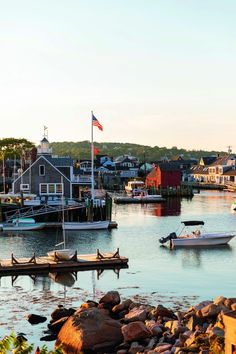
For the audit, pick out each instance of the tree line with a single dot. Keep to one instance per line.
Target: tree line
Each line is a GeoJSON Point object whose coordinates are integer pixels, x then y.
{"type": "Point", "coordinates": [82, 150]}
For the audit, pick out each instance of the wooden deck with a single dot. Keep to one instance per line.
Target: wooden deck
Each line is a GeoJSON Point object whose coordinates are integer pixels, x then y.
{"type": "Point", "coordinates": [34, 265]}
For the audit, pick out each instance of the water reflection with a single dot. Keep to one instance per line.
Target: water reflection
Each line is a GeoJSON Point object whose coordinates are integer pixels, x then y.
{"type": "Point", "coordinates": [64, 278]}
{"type": "Point", "coordinates": [24, 244]}
{"type": "Point", "coordinates": [172, 206]}
{"type": "Point", "coordinates": [192, 257]}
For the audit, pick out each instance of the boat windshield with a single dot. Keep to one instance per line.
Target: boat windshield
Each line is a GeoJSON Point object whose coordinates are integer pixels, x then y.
{"type": "Point", "coordinates": [192, 223]}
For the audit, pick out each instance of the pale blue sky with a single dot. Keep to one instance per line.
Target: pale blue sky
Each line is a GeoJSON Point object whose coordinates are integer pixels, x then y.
{"type": "Point", "coordinates": [155, 72]}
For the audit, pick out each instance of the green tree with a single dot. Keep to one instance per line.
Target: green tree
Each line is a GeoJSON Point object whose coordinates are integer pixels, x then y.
{"type": "Point", "coordinates": [11, 147]}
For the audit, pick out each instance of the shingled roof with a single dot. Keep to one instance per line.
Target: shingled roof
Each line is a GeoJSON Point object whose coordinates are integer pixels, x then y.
{"type": "Point", "coordinates": [169, 166]}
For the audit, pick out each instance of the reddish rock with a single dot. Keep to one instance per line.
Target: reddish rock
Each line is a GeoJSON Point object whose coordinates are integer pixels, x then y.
{"type": "Point", "coordinates": [136, 314]}
{"type": "Point", "coordinates": [162, 312]}
{"type": "Point", "coordinates": [155, 328]}
{"type": "Point", "coordinates": [210, 310]}
{"type": "Point", "coordinates": [135, 331]}
{"type": "Point", "coordinates": [123, 306]}
{"type": "Point", "coordinates": [89, 329]}
{"type": "Point", "coordinates": [111, 298]}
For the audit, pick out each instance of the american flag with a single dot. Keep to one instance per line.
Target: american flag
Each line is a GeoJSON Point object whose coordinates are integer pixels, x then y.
{"type": "Point", "coordinates": [96, 123]}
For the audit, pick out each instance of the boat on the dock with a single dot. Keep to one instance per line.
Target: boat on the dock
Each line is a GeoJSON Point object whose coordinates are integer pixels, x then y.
{"type": "Point", "coordinates": [63, 254]}
{"type": "Point", "coordinates": [87, 225]}
{"type": "Point", "coordinates": [192, 235]}
{"type": "Point", "coordinates": [22, 224]}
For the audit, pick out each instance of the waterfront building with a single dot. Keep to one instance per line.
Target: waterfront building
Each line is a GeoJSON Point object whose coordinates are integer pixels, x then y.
{"type": "Point", "coordinates": [50, 176]}
{"type": "Point", "coordinates": [221, 171]}
{"type": "Point", "coordinates": [164, 175]}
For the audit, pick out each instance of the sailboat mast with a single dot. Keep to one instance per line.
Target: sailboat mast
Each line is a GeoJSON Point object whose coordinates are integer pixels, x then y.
{"type": "Point", "coordinates": [63, 214]}
{"type": "Point", "coordinates": [92, 160]}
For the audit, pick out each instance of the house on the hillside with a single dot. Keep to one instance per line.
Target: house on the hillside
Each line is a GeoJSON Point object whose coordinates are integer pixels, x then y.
{"type": "Point", "coordinates": [164, 175]}
{"type": "Point", "coordinates": [127, 167]}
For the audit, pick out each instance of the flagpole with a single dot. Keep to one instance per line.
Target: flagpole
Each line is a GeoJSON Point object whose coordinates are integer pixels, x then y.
{"type": "Point", "coordinates": [92, 160]}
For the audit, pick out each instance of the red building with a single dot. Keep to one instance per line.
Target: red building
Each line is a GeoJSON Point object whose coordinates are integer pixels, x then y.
{"type": "Point", "coordinates": [165, 174]}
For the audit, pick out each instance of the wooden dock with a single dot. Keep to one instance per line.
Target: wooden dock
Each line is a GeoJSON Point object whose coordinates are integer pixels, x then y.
{"type": "Point", "coordinates": [34, 265]}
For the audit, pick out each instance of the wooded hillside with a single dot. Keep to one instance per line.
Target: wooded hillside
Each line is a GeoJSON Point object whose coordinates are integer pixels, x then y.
{"type": "Point", "coordinates": [81, 150]}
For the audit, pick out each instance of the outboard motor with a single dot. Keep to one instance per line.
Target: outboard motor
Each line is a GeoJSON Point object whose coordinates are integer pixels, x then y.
{"type": "Point", "coordinates": [168, 238]}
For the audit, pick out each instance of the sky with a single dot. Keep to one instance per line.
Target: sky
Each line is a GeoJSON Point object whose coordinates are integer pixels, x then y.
{"type": "Point", "coordinates": [154, 72]}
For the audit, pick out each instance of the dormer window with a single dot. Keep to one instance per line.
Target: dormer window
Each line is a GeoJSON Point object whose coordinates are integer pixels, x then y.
{"type": "Point", "coordinates": [41, 170]}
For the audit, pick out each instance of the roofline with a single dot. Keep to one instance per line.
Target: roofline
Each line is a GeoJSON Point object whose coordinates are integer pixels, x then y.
{"type": "Point", "coordinates": [40, 157]}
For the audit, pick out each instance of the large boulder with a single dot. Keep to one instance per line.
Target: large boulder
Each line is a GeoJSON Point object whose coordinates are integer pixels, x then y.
{"type": "Point", "coordinates": [89, 330]}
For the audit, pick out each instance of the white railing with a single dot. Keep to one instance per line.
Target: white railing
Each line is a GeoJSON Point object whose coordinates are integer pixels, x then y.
{"type": "Point", "coordinates": [81, 179]}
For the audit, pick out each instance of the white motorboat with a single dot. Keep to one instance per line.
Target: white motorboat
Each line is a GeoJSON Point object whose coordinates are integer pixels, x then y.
{"type": "Point", "coordinates": [196, 236]}
{"type": "Point", "coordinates": [135, 187]}
{"type": "Point", "coordinates": [233, 206]}
{"type": "Point", "coordinates": [22, 224]}
{"type": "Point", "coordinates": [87, 225]}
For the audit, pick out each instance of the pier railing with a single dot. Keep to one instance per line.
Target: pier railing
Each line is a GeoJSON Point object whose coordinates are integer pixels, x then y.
{"type": "Point", "coordinates": [42, 210]}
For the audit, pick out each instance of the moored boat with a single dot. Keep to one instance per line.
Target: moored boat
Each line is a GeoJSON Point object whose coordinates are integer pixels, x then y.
{"type": "Point", "coordinates": [87, 225]}
{"type": "Point", "coordinates": [135, 187]}
{"type": "Point", "coordinates": [148, 198]}
{"type": "Point", "coordinates": [233, 206]}
{"type": "Point", "coordinates": [22, 224]}
{"type": "Point", "coordinates": [196, 237]}
{"type": "Point", "coordinates": [65, 254]}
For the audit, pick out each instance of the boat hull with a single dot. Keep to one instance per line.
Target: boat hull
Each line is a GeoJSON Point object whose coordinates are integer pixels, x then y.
{"type": "Point", "coordinates": [204, 240]}
{"type": "Point", "coordinates": [233, 207]}
{"type": "Point", "coordinates": [139, 199]}
{"type": "Point", "coordinates": [63, 254]}
{"type": "Point", "coordinates": [95, 225]}
{"type": "Point", "coordinates": [25, 227]}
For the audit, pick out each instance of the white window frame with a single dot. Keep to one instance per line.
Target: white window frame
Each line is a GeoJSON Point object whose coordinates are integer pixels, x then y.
{"type": "Point", "coordinates": [41, 174]}
{"type": "Point", "coordinates": [24, 187]}
{"type": "Point", "coordinates": [56, 188]}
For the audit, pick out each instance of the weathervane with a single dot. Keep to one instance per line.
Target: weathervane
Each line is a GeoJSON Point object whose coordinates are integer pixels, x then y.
{"type": "Point", "coordinates": [45, 132]}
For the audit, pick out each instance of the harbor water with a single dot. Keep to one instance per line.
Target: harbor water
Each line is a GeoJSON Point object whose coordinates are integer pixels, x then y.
{"type": "Point", "coordinates": [176, 278]}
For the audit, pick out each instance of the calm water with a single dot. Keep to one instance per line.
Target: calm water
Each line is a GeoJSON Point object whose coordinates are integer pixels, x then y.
{"type": "Point", "coordinates": [155, 273]}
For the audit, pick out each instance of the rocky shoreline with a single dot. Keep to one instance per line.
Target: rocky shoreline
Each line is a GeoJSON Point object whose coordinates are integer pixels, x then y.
{"type": "Point", "coordinates": [128, 327]}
